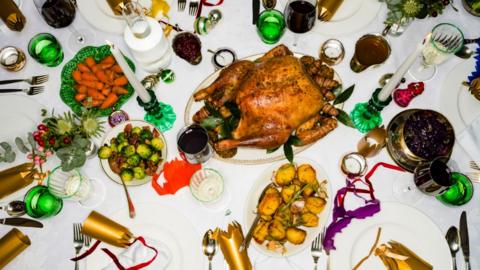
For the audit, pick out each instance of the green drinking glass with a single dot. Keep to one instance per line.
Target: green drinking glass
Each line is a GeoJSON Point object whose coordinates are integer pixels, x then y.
{"type": "Point", "coordinates": [271, 26]}
{"type": "Point", "coordinates": [40, 203]}
{"type": "Point", "coordinates": [46, 50]}
{"type": "Point", "coordinates": [460, 193]}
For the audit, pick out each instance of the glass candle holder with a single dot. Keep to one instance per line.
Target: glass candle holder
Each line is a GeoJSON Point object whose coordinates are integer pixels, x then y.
{"type": "Point", "coordinates": [12, 58]}
{"type": "Point", "coordinates": [332, 52]}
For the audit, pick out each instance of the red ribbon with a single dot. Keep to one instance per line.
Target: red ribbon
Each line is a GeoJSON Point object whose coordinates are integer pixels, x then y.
{"type": "Point", "coordinates": [207, 4]}
{"type": "Point", "coordinates": [114, 257]}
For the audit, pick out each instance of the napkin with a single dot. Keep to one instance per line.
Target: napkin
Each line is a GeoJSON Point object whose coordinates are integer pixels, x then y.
{"type": "Point", "coordinates": [469, 139]}
{"type": "Point", "coordinates": [138, 253]}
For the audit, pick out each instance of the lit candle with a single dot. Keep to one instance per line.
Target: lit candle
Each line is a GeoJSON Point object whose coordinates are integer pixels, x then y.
{"type": "Point", "coordinates": [388, 89]}
{"type": "Point", "coordinates": [136, 84]}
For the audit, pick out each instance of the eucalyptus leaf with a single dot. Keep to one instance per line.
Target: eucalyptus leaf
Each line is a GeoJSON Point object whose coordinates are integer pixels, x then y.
{"type": "Point", "coordinates": [294, 140]}
{"type": "Point", "coordinates": [21, 145]}
{"type": "Point", "coordinates": [80, 142]}
{"type": "Point", "coordinates": [6, 146]}
{"type": "Point", "coordinates": [10, 157]}
{"type": "Point", "coordinates": [31, 140]}
{"type": "Point", "coordinates": [344, 118]}
{"type": "Point", "coordinates": [72, 157]}
{"type": "Point", "coordinates": [288, 151]}
{"type": "Point", "coordinates": [271, 150]}
{"type": "Point", "coordinates": [211, 122]}
{"type": "Point", "coordinates": [344, 96]}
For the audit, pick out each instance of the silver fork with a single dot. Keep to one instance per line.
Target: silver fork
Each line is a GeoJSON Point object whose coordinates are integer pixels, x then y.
{"type": "Point", "coordinates": [181, 5]}
{"type": "Point", "coordinates": [193, 7]}
{"type": "Point", "coordinates": [86, 240]}
{"type": "Point", "coordinates": [32, 81]}
{"type": "Point", "coordinates": [448, 41]}
{"type": "Point", "coordinates": [317, 248]}
{"type": "Point", "coordinates": [474, 165]}
{"type": "Point", "coordinates": [77, 240]}
{"type": "Point", "coordinates": [33, 90]}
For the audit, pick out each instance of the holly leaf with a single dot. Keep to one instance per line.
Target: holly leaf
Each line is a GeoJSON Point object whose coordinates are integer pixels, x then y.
{"type": "Point", "coordinates": [21, 145]}
{"type": "Point", "coordinates": [211, 122]}
{"type": "Point", "coordinates": [344, 96]}
{"type": "Point", "coordinates": [271, 150]}
{"type": "Point", "coordinates": [344, 118]}
{"type": "Point", "coordinates": [288, 151]}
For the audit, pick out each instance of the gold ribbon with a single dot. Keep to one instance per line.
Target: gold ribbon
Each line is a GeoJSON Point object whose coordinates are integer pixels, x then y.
{"type": "Point", "coordinates": [229, 242]}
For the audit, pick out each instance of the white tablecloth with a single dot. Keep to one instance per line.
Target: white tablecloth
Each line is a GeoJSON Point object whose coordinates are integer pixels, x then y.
{"type": "Point", "coordinates": [52, 246]}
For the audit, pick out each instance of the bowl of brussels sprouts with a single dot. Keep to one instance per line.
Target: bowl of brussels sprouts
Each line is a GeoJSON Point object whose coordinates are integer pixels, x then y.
{"type": "Point", "coordinates": [133, 151]}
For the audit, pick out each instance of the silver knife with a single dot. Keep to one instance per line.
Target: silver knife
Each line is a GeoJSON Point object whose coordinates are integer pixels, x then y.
{"type": "Point", "coordinates": [23, 222]}
{"type": "Point", "coordinates": [464, 239]}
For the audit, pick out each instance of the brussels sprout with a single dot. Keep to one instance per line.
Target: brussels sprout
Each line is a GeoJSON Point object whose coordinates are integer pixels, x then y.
{"type": "Point", "coordinates": [126, 175]}
{"type": "Point", "coordinates": [157, 144]}
{"type": "Point", "coordinates": [144, 151]}
{"type": "Point", "coordinates": [104, 152]}
{"type": "Point", "coordinates": [121, 137]}
{"type": "Point", "coordinates": [114, 147]}
{"type": "Point", "coordinates": [121, 146]}
{"type": "Point", "coordinates": [155, 158]}
{"type": "Point", "coordinates": [113, 141]}
{"type": "Point", "coordinates": [136, 130]}
{"type": "Point", "coordinates": [134, 160]}
{"type": "Point", "coordinates": [128, 150]}
{"type": "Point", "coordinates": [138, 173]}
{"type": "Point", "coordinates": [146, 134]}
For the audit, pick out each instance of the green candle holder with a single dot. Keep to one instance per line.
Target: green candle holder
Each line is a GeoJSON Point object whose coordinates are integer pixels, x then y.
{"type": "Point", "coordinates": [367, 115]}
{"type": "Point", "coordinates": [158, 113]}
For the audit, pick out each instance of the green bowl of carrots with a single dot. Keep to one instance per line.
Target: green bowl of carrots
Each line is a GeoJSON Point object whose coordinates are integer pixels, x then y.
{"type": "Point", "coordinates": [93, 80]}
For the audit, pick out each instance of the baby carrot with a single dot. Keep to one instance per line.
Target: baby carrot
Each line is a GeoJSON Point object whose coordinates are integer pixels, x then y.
{"type": "Point", "coordinates": [120, 81]}
{"type": "Point", "coordinates": [96, 103]}
{"type": "Point", "coordinates": [79, 97]}
{"type": "Point", "coordinates": [120, 90]}
{"type": "Point", "coordinates": [102, 76]}
{"type": "Point", "coordinates": [87, 76]}
{"type": "Point", "coordinates": [94, 93]}
{"type": "Point", "coordinates": [111, 99]}
{"type": "Point", "coordinates": [106, 65]}
{"type": "Point", "coordinates": [106, 91]}
{"type": "Point", "coordinates": [117, 69]}
{"type": "Point", "coordinates": [77, 75]}
{"type": "Point", "coordinates": [81, 89]}
{"type": "Point", "coordinates": [82, 67]}
{"type": "Point", "coordinates": [90, 62]}
{"type": "Point", "coordinates": [92, 84]}
{"type": "Point", "coordinates": [108, 60]}
{"type": "Point", "coordinates": [95, 68]}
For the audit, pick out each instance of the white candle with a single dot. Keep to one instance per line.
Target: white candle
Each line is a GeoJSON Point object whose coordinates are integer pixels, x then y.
{"type": "Point", "coordinates": [388, 89]}
{"type": "Point", "coordinates": [136, 84]}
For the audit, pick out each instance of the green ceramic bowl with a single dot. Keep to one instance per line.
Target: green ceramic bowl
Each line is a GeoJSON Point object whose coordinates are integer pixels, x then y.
{"type": "Point", "coordinates": [67, 92]}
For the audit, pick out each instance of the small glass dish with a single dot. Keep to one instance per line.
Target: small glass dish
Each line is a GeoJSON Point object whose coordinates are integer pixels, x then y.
{"type": "Point", "coordinates": [207, 185]}
{"type": "Point", "coordinates": [332, 52]}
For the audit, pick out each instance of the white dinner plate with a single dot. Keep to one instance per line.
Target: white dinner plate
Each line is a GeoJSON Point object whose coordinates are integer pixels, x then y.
{"type": "Point", "coordinates": [252, 200]}
{"type": "Point", "coordinates": [164, 225]}
{"type": "Point", "coordinates": [350, 17]}
{"type": "Point", "coordinates": [99, 14]}
{"type": "Point", "coordinates": [112, 134]}
{"type": "Point", "coordinates": [245, 155]}
{"type": "Point", "coordinates": [400, 223]}
{"type": "Point", "coordinates": [456, 102]}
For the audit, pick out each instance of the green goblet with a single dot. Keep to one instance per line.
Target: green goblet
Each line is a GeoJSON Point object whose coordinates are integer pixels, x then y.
{"type": "Point", "coordinates": [271, 26]}
{"type": "Point", "coordinates": [40, 203]}
{"type": "Point", "coordinates": [460, 193]}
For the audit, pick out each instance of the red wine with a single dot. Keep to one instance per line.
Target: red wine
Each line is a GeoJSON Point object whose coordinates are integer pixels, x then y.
{"type": "Point", "coordinates": [193, 140]}
{"type": "Point", "coordinates": [58, 13]}
{"type": "Point", "coordinates": [300, 16]}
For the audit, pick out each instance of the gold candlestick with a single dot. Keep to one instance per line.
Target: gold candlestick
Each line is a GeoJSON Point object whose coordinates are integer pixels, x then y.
{"type": "Point", "coordinates": [11, 245]}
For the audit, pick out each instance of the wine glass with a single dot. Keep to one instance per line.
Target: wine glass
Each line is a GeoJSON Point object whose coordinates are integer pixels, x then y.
{"type": "Point", "coordinates": [75, 186]}
{"type": "Point", "coordinates": [300, 16]}
{"type": "Point", "coordinates": [61, 14]}
{"type": "Point", "coordinates": [446, 39]}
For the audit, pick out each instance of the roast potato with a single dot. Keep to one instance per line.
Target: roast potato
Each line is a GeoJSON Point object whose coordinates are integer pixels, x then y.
{"type": "Point", "coordinates": [310, 189]}
{"type": "Point", "coordinates": [260, 232]}
{"type": "Point", "coordinates": [296, 236]}
{"type": "Point", "coordinates": [306, 174]}
{"type": "Point", "coordinates": [285, 174]}
{"type": "Point", "coordinates": [288, 192]}
{"type": "Point", "coordinates": [309, 220]}
{"type": "Point", "coordinates": [276, 230]}
{"type": "Point", "coordinates": [315, 205]}
{"type": "Point", "coordinates": [270, 202]}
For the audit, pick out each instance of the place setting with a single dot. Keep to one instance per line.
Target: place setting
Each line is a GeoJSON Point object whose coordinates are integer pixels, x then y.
{"type": "Point", "coordinates": [211, 134]}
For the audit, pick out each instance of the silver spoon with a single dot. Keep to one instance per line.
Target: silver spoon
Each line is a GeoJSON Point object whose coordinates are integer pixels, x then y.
{"type": "Point", "coordinates": [453, 243]}
{"type": "Point", "coordinates": [209, 247]}
{"type": "Point", "coordinates": [14, 208]}
{"type": "Point", "coordinates": [464, 52]}
{"type": "Point", "coordinates": [269, 4]}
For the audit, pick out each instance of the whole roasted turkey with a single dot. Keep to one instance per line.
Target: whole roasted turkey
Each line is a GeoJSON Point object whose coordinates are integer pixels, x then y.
{"type": "Point", "coordinates": [278, 95]}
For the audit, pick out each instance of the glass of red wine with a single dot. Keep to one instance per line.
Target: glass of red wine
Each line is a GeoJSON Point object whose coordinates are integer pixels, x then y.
{"type": "Point", "coordinates": [300, 16]}
{"type": "Point", "coordinates": [61, 14]}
